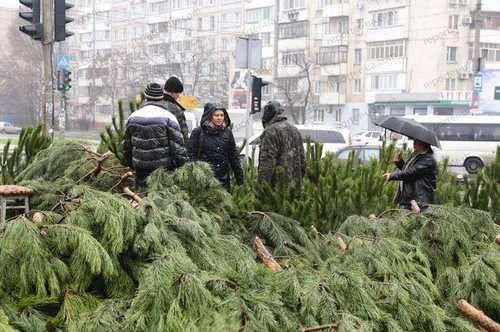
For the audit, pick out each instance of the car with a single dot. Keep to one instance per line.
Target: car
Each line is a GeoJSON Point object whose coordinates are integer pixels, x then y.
{"type": "Point", "coordinates": [8, 128]}
{"type": "Point", "coordinates": [363, 153]}
{"type": "Point", "coordinates": [333, 139]}
{"type": "Point", "coordinates": [367, 137]}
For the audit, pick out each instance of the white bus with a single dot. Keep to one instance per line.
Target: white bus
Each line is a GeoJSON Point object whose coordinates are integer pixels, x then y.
{"type": "Point", "coordinates": [466, 140]}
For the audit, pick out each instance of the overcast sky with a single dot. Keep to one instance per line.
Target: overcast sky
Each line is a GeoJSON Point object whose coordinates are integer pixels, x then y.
{"type": "Point", "coordinates": [9, 3]}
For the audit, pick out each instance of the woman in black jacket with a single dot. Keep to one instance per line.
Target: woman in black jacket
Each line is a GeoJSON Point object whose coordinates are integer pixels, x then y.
{"type": "Point", "coordinates": [417, 176]}
{"type": "Point", "coordinates": [213, 142]}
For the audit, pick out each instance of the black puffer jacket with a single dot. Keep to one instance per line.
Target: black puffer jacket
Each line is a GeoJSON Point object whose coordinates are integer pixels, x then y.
{"type": "Point", "coordinates": [217, 147]}
{"type": "Point", "coordinates": [418, 177]}
{"type": "Point", "coordinates": [153, 139]}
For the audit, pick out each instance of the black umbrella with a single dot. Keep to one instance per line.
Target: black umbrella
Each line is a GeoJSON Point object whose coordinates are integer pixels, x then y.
{"type": "Point", "coordinates": [412, 129]}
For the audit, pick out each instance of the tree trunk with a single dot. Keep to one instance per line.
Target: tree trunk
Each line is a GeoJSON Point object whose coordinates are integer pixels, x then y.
{"type": "Point", "coordinates": [478, 317]}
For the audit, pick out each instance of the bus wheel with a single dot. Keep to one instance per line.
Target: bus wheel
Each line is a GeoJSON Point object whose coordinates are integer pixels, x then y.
{"type": "Point", "coordinates": [473, 165]}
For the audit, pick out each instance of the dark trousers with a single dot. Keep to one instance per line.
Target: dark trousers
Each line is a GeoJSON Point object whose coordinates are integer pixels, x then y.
{"type": "Point", "coordinates": [141, 177]}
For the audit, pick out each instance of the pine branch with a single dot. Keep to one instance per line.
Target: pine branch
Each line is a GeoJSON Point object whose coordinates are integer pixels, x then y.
{"type": "Point", "coordinates": [122, 178]}
{"type": "Point", "coordinates": [329, 327]}
{"type": "Point", "coordinates": [98, 168]}
{"type": "Point", "coordinates": [478, 317]}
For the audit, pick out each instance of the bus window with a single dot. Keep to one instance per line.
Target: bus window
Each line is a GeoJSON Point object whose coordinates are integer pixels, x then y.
{"type": "Point", "coordinates": [455, 132]}
{"type": "Point", "coordinates": [487, 133]}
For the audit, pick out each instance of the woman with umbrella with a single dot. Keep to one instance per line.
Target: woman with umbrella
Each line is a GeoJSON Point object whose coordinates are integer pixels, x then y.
{"type": "Point", "coordinates": [418, 175]}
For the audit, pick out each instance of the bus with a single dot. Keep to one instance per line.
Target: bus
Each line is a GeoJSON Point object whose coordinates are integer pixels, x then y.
{"type": "Point", "coordinates": [470, 141]}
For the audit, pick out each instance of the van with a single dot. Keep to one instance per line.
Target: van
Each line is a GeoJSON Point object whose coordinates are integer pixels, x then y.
{"type": "Point", "coordinates": [332, 139]}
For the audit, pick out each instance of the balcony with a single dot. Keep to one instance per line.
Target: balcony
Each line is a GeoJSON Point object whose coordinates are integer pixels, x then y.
{"type": "Point", "coordinates": [335, 39]}
{"type": "Point", "coordinates": [337, 10]}
{"type": "Point", "coordinates": [389, 65]}
{"type": "Point", "coordinates": [387, 33]}
{"type": "Point", "coordinates": [289, 71]}
{"type": "Point", "coordinates": [333, 69]}
{"type": "Point", "coordinates": [489, 36]}
{"type": "Point", "coordinates": [332, 98]}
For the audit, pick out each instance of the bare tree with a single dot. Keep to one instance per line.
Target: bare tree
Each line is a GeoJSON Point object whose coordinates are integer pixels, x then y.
{"type": "Point", "coordinates": [20, 77]}
{"type": "Point", "coordinates": [296, 90]}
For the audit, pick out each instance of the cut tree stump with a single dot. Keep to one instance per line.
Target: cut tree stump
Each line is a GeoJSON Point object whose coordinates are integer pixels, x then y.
{"type": "Point", "coordinates": [497, 240]}
{"type": "Point", "coordinates": [265, 256]}
{"type": "Point", "coordinates": [340, 243]}
{"type": "Point", "coordinates": [478, 317]}
{"type": "Point", "coordinates": [132, 195]}
{"type": "Point", "coordinates": [414, 207]}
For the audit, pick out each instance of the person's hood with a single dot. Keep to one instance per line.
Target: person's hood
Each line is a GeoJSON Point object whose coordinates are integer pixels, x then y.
{"type": "Point", "coordinates": [273, 111]}
{"type": "Point", "coordinates": [209, 110]}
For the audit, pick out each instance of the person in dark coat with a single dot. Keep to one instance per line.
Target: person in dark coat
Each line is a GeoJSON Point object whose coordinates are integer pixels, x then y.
{"type": "Point", "coordinates": [281, 146]}
{"type": "Point", "coordinates": [213, 142]}
{"type": "Point", "coordinates": [153, 137]}
{"type": "Point", "coordinates": [172, 91]}
{"type": "Point", "coordinates": [417, 176]}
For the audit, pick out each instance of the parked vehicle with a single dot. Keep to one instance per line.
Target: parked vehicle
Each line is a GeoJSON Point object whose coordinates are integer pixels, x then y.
{"type": "Point", "coordinates": [367, 137]}
{"type": "Point", "coordinates": [469, 141]}
{"type": "Point", "coordinates": [362, 153]}
{"type": "Point", "coordinates": [8, 128]}
{"type": "Point", "coordinates": [332, 139]}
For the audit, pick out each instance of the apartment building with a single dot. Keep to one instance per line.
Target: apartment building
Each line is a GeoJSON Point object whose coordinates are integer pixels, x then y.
{"type": "Point", "coordinates": [341, 62]}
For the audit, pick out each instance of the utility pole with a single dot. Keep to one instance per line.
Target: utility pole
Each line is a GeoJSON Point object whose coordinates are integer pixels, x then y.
{"type": "Point", "coordinates": [477, 52]}
{"type": "Point", "coordinates": [94, 99]}
{"type": "Point", "coordinates": [275, 47]}
{"type": "Point", "coordinates": [48, 37]}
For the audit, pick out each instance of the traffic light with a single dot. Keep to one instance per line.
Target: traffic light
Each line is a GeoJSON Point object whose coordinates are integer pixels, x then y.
{"type": "Point", "coordinates": [60, 20]}
{"type": "Point", "coordinates": [35, 29]}
{"type": "Point", "coordinates": [66, 79]}
{"type": "Point", "coordinates": [257, 85]}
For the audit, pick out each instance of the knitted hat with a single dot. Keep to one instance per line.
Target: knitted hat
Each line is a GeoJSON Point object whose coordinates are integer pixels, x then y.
{"type": "Point", "coordinates": [173, 84]}
{"type": "Point", "coordinates": [153, 92]}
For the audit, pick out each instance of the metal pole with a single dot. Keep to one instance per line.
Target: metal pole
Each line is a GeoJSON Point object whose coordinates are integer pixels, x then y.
{"type": "Point", "coordinates": [477, 51]}
{"type": "Point", "coordinates": [275, 47]}
{"type": "Point", "coordinates": [94, 99]}
{"type": "Point", "coordinates": [48, 37]}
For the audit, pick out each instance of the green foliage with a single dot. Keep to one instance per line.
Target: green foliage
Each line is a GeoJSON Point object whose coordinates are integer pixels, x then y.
{"type": "Point", "coordinates": [112, 137]}
{"type": "Point", "coordinates": [31, 142]}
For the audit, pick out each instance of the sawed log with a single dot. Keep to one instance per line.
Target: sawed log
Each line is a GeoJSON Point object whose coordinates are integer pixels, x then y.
{"type": "Point", "coordinates": [478, 317]}
{"type": "Point", "coordinates": [265, 256]}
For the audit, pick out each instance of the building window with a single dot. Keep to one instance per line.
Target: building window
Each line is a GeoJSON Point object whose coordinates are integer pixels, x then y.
{"type": "Point", "coordinates": [359, 25]}
{"type": "Point", "coordinates": [319, 115]}
{"type": "Point", "coordinates": [294, 30]}
{"type": "Point", "coordinates": [230, 20]}
{"type": "Point", "coordinates": [387, 50]}
{"type": "Point", "coordinates": [339, 25]}
{"type": "Point", "coordinates": [338, 115]}
{"type": "Point", "coordinates": [420, 111]}
{"type": "Point", "coordinates": [451, 56]}
{"type": "Point", "coordinates": [335, 84]}
{"type": "Point", "coordinates": [357, 86]}
{"type": "Point", "coordinates": [259, 14]}
{"type": "Point", "coordinates": [453, 22]}
{"type": "Point", "coordinates": [332, 55]}
{"type": "Point", "coordinates": [289, 85]}
{"type": "Point", "coordinates": [490, 52]}
{"type": "Point", "coordinates": [358, 56]}
{"type": "Point", "coordinates": [384, 82]}
{"type": "Point", "coordinates": [398, 111]}
{"type": "Point", "coordinates": [451, 84]}
{"type": "Point", "coordinates": [294, 4]}
{"type": "Point", "coordinates": [385, 19]}
{"type": "Point", "coordinates": [317, 87]}
{"type": "Point", "coordinates": [266, 38]}
{"type": "Point", "coordinates": [293, 58]}
{"type": "Point", "coordinates": [355, 116]}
